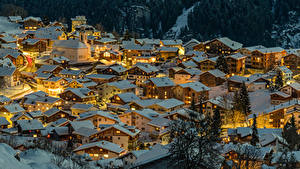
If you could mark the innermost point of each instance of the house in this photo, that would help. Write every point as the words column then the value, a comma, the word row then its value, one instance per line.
column 173, row 71
column 247, row 52
column 266, row 58
column 34, row 46
column 167, row 105
column 138, row 118
column 279, row 97
column 17, row 58
column 111, row 55
column 236, row 63
column 9, row 73
column 276, row 158
column 292, row 89
column 53, row 86
column 74, row 50
column 188, row 64
column 100, row 149
column 79, row 108
column 54, row 114
column 108, row 90
column 124, row 98
column 224, row 46
column 69, row 73
column 207, row 64
column 182, row 114
column 292, row 60
column 141, row 72
column 101, row 78
column 125, row 136
column 32, row 23
column 286, row 73
column 254, row 82
column 99, row 117
column 48, row 69
column 212, row 78
column 158, row 129
column 9, row 110
column 79, row 95
column 60, row 60
column 4, row 123
column 31, row 128
column 188, row 46
column 131, row 51
column 142, row 104
column 187, row 92
column 177, row 43
column 185, row 75
column 159, row 87
column 15, row 19
column 77, row 21
column 168, row 52
column 4, row 100
column 117, row 70
column 84, row 135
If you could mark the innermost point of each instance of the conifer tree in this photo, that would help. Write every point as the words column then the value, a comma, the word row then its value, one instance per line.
column 290, row 134
column 245, row 101
column 216, row 125
column 254, row 140
column 278, row 81
column 221, row 64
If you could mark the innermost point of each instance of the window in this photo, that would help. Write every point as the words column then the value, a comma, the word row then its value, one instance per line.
column 119, row 138
column 118, row 132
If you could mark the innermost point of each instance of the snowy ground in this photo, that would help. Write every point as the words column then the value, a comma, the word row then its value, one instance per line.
column 217, row 91
column 260, row 100
column 17, row 91
column 8, row 27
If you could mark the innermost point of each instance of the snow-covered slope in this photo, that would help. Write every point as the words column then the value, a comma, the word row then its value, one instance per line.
column 181, row 22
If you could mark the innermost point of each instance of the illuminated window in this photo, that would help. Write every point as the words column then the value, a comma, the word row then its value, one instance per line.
column 118, row 131
column 62, row 115
column 105, row 155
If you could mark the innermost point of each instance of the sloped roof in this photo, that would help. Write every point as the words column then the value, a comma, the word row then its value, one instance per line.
column 128, row 97
column 162, row 81
column 196, row 86
column 82, row 106
column 102, row 144
column 14, row 108
column 230, row 43
column 170, row 103
column 30, row 124
column 270, row 50
column 75, row 44
column 123, row 84
column 217, row 73
column 79, row 124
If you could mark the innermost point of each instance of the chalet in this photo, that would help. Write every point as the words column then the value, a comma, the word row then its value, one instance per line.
column 124, row 98
column 79, row 108
column 168, row 52
column 9, row 110
column 15, row 19
column 84, row 135
column 173, row 71
column 17, row 58
column 32, row 23
column 53, row 69
column 182, row 114
column 8, row 40
column 9, row 73
column 77, row 21
column 177, row 43
column 125, row 136
column 266, row 58
column 223, row 46
column 108, row 90
column 292, row 89
column 59, row 134
column 101, row 149
column 158, row 129
column 187, row 92
column 31, row 128
column 185, row 75
column 117, row 70
column 4, row 100
column 188, row 64
column 159, row 88
column 20, row 116
column 286, row 73
column 106, row 41
column 34, row 46
column 254, row 82
column 247, row 52
column 53, row 86
column 79, row 95
column 99, row 117
column 101, row 78
column 146, row 41
column 207, row 64
column 212, row 78
column 4, row 123
column 54, row 114
column 167, row 105
column 111, row 55
column 60, row 60
column 277, row 156
column 68, row 73
column 279, row 97
column 142, row 104
column 131, row 51
column 292, row 61
column 34, row 102
column 236, row 63
column 141, row 73
column 188, row 46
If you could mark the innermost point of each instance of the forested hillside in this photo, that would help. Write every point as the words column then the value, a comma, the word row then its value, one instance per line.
column 248, row 21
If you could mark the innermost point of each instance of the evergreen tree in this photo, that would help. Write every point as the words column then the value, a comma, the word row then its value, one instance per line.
column 221, row 64
column 254, row 140
column 244, row 100
column 216, row 125
column 290, row 134
column 278, row 81
column 193, row 105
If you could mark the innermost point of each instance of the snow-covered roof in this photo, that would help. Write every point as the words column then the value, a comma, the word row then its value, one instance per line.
column 118, row 68
column 79, row 124
column 59, row 122
column 252, row 48
column 280, row 94
column 100, row 76
column 270, row 50
column 230, row 43
column 70, row 72
column 123, row 129
column 30, row 124
column 148, row 113
column 47, row 68
column 102, row 144
column 196, row 86
column 123, row 84
column 162, row 81
column 85, row 131
column 108, row 115
column 51, row 112
column 276, row 156
column 189, row 63
column 237, row 56
column 82, row 106
column 59, row 59
column 170, row 103
column 198, row 59
column 128, row 97
column 4, row 99
column 106, row 40
column 32, row 18
column 295, row 86
column 171, row 42
column 30, row 41
column 266, row 139
column 146, row 67
column 13, row 108
column 3, row 121
column 62, row 131
column 146, row 103
column 167, row 49
column 159, row 122
column 80, row 92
